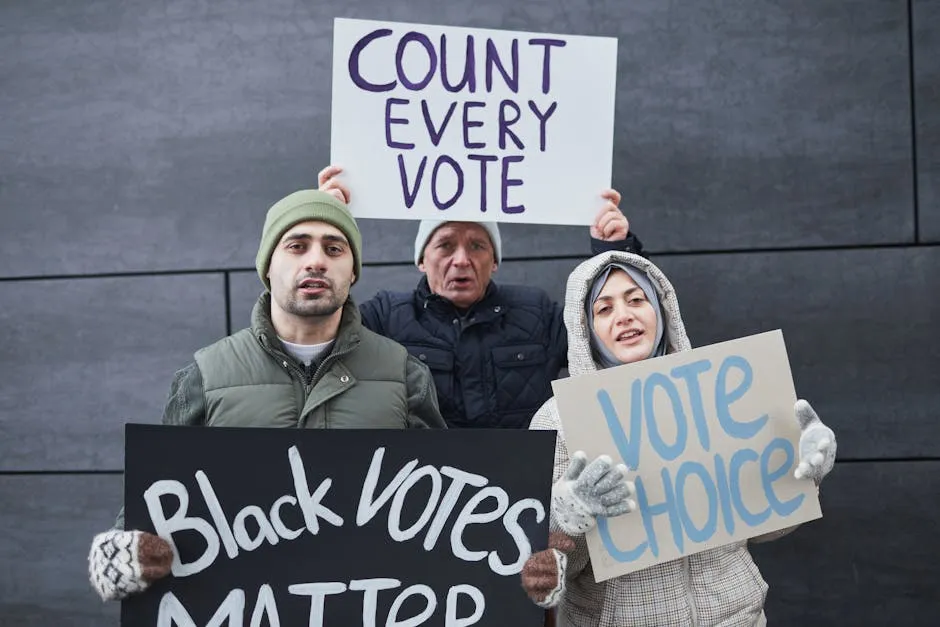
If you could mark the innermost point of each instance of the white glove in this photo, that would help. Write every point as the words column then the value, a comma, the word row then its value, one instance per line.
column 817, row 445
column 587, row 491
column 121, row 563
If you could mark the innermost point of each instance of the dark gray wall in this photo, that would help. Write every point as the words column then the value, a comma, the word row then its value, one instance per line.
column 781, row 160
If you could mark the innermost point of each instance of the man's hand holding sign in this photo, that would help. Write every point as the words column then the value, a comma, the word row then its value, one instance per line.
column 609, row 225
column 386, row 527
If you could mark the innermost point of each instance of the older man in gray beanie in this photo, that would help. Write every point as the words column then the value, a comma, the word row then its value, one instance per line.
column 493, row 349
column 306, row 357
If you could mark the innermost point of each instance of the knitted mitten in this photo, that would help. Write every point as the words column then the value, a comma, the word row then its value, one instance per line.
column 817, row 445
column 121, row 563
column 543, row 574
column 587, row 491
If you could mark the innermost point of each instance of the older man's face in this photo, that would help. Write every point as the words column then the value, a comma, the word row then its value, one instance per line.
column 459, row 260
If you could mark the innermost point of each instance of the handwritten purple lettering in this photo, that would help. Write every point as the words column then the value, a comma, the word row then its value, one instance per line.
column 493, row 131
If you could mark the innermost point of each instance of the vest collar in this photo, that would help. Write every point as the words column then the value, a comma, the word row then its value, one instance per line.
column 262, row 327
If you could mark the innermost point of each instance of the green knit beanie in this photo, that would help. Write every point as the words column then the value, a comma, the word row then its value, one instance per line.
column 307, row 204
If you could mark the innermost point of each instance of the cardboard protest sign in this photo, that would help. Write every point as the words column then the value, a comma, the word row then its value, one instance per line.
column 338, row 527
column 472, row 124
column 713, row 438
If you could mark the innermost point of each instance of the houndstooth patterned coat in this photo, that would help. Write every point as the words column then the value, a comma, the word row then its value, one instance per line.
column 718, row 587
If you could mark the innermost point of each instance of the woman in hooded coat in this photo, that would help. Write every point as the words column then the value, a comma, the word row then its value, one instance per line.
column 620, row 308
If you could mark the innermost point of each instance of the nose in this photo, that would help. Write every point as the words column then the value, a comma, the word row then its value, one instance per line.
column 315, row 260
column 461, row 256
column 623, row 314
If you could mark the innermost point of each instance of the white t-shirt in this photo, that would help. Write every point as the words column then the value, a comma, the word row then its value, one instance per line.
column 307, row 353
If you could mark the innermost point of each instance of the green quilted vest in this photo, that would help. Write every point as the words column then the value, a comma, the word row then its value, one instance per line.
column 249, row 381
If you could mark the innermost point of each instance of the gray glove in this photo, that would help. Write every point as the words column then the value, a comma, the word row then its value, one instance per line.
column 817, row 445
column 587, row 491
column 121, row 563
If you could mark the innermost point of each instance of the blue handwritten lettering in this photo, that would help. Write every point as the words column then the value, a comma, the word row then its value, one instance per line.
column 768, row 477
column 711, row 493
column 690, row 373
column 667, row 452
column 724, row 398
column 629, row 448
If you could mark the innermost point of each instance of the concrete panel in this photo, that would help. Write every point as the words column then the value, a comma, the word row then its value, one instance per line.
column 749, row 125
column 926, row 60
column 48, row 522
column 182, row 123
column 870, row 561
column 764, row 124
column 860, row 330
column 81, row 357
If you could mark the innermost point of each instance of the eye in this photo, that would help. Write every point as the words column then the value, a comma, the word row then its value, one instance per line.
column 636, row 300
column 478, row 246
column 602, row 310
column 335, row 249
column 295, row 247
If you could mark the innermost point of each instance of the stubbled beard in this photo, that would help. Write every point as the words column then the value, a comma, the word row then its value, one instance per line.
column 326, row 305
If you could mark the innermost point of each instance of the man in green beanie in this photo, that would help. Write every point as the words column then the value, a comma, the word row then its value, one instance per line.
column 306, row 341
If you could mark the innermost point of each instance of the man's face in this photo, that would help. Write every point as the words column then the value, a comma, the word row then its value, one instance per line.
column 459, row 260
column 311, row 270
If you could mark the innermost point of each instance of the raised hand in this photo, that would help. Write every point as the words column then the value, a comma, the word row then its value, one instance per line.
column 121, row 563
column 817, row 444
column 327, row 181
column 610, row 224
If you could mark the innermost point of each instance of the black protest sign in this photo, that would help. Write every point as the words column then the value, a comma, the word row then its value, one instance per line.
column 338, row 527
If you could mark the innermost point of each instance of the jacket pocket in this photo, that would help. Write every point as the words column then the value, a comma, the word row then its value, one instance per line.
column 441, row 364
column 521, row 381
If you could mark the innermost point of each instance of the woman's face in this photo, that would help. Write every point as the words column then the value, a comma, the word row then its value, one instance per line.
column 624, row 320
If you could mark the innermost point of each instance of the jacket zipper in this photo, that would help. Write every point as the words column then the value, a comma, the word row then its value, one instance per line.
column 292, row 369
column 302, row 376
column 687, row 571
column 316, row 377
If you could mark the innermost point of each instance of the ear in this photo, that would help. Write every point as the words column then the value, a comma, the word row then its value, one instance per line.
column 495, row 266
column 422, row 267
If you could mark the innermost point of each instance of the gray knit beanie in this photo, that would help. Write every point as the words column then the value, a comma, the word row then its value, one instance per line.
column 427, row 227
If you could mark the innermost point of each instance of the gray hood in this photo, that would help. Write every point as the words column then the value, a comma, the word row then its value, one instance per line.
column 580, row 280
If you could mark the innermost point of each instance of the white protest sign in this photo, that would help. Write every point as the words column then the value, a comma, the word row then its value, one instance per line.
column 472, row 124
column 713, row 438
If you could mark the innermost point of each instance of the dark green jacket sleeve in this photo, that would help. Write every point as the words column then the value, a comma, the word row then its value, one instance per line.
column 423, row 410
column 185, row 405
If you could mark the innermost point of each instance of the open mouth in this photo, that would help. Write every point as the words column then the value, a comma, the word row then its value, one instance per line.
column 629, row 335
column 314, row 284
column 462, row 282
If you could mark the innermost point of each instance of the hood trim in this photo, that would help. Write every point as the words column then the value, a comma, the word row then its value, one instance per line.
column 580, row 360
